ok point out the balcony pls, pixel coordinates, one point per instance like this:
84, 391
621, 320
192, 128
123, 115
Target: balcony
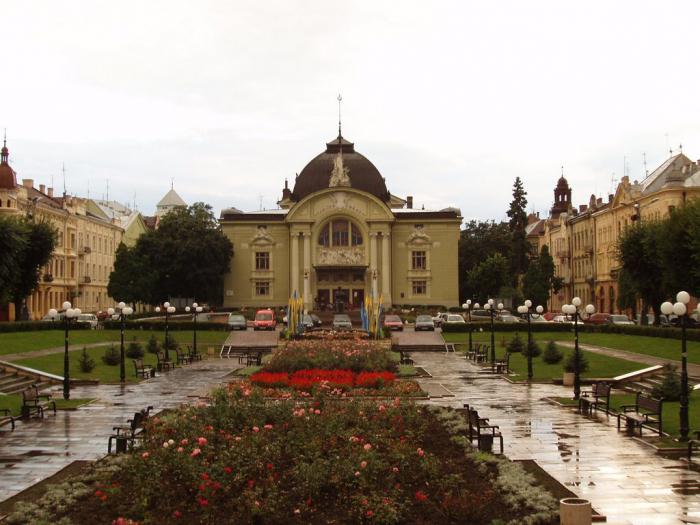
48, 278
86, 279
562, 254
85, 250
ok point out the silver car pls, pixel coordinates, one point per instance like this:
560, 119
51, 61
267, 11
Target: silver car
237, 322
342, 322
424, 322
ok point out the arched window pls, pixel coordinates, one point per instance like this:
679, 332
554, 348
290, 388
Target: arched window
340, 233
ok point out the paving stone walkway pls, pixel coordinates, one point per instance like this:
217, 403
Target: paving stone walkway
623, 478
38, 448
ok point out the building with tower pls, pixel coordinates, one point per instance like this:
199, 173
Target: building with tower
339, 236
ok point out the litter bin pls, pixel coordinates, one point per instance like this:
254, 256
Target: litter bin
575, 511
486, 443
121, 445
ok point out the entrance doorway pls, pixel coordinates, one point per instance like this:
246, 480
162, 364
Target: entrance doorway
358, 297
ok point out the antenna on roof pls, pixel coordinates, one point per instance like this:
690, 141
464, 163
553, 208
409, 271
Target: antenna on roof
340, 99
613, 180
63, 169
172, 182
667, 145
134, 201
88, 195
260, 197
680, 147
646, 171
107, 199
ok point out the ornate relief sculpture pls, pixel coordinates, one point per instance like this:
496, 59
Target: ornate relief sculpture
340, 174
261, 236
354, 256
418, 236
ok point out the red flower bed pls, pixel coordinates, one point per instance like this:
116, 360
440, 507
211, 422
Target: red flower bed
306, 379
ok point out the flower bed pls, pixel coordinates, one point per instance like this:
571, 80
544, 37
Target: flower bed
245, 459
357, 355
309, 379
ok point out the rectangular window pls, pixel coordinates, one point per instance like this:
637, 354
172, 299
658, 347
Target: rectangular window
420, 288
262, 288
72, 269
418, 260
340, 233
262, 260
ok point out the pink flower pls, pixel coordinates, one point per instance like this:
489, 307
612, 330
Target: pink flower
317, 411
256, 429
363, 464
367, 446
202, 441
357, 473
145, 455
196, 452
268, 427
395, 469
180, 449
420, 451
297, 511
382, 408
184, 442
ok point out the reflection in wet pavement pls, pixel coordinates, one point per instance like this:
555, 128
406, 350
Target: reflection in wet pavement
624, 479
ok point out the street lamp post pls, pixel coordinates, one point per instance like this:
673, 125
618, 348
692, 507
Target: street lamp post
489, 306
526, 308
468, 307
168, 310
196, 309
69, 313
124, 310
680, 308
573, 309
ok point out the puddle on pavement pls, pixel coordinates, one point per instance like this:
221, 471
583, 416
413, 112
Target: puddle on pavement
35, 453
686, 488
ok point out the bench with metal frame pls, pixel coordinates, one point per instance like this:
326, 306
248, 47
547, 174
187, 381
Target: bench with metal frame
34, 403
501, 366
163, 365
481, 431
8, 417
125, 436
141, 370
182, 357
597, 397
645, 411
194, 356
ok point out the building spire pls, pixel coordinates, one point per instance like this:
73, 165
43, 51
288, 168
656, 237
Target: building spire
4, 153
340, 99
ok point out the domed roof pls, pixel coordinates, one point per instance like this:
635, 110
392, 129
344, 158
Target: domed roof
8, 179
316, 176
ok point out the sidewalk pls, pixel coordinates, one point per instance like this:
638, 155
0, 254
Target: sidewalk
38, 448
623, 478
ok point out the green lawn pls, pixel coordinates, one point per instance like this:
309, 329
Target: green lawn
654, 346
670, 411
14, 402
53, 364
16, 342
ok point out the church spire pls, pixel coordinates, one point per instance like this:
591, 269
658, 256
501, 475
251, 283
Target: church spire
340, 126
5, 152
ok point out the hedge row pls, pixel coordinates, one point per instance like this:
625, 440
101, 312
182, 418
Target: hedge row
34, 326
160, 325
646, 331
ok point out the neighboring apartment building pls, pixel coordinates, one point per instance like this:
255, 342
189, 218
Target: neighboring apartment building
84, 256
583, 241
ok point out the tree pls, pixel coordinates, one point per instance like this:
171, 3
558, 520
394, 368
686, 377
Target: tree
13, 242
679, 246
627, 294
640, 255
477, 241
186, 257
539, 280
487, 278
41, 241
517, 214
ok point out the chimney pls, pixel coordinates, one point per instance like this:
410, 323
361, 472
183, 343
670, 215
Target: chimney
28, 183
599, 201
582, 207
42, 188
49, 192
610, 197
409, 202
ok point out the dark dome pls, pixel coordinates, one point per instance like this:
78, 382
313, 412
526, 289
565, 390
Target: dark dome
8, 180
317, 173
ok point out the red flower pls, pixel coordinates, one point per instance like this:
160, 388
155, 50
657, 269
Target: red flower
228, 470
421, 496
177, 514
203, 502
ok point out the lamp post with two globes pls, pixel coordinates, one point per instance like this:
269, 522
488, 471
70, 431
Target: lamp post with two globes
124, 310
573, 309
196, 309
168, 310
680, 308
468, 307
489, 306
69, 313
526, 308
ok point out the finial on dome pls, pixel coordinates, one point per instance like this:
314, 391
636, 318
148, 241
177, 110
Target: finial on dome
340, 131
5, 152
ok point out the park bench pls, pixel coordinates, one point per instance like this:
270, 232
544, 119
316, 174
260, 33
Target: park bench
597, 396
645, 411
34, 403
501, 366
194, 356
141, 370
162, 363
405, 358
182, 358
482, 432
128, 434
482, 353
254, 359
7, 418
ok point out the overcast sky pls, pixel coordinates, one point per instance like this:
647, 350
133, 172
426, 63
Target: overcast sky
450, 100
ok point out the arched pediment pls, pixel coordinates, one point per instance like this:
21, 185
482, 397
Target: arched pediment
360, 205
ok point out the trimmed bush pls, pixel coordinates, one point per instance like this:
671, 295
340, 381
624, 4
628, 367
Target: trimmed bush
570, 363
36, 326
86, 363
134, 350
532, 349
670, 387
170, 343
516, 344
552, 355
111, 356
153, 346
174, 326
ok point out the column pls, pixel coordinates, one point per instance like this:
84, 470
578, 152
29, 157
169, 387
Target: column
295, 264
386, 268
308, 300
373, 264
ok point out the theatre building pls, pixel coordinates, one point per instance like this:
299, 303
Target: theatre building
339, 236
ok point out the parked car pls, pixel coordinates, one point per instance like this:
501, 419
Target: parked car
480, 315
508, 318
237, 322
566, 319
59, 317
307, 321
264, 320
342, 322
620, 319
102, 316
674, 320
534, 318
316, 320
89, 319
598, 318
424, 322
439, 318
454, 319
392, 322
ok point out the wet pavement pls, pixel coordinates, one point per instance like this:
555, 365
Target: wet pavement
623, 478
38, 448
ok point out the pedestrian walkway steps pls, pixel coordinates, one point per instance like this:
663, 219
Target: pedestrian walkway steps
14, 379
13, 383
410, 341
436, 390
326, 317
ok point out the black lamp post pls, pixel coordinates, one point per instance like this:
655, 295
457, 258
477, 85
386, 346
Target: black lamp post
573, 309
468, 307
680, 308
124, 310
489, 306
527, 309
196, 309
69, 314
168, 310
